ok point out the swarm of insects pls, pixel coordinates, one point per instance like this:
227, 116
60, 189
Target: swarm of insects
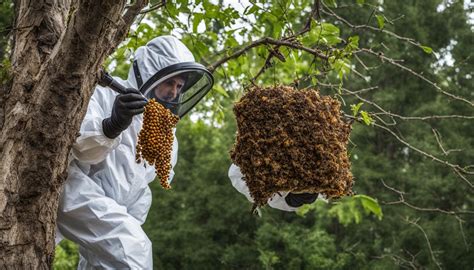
291, 140
155, 140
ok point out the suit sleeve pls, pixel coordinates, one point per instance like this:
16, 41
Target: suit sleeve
277, 201
92, 146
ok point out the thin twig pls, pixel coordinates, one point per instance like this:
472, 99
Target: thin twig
265, 66
460, 221
127, 21
154, 7
429, 117
372, 28
393, 62
402, 200
398, 260
363, 90
390, 114
438, 140
314, 12
360, 61
412, 263
456, 168
415, 223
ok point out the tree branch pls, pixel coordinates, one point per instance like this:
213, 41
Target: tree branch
456, 168
127, 21
415, 223
391, 114
266, 41
314, 13
274, 52
154, 7
366, 26
381, 56
438, 140
400, 261
428, 117
402, 200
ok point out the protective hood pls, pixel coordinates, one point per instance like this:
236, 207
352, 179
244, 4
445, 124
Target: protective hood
163, 59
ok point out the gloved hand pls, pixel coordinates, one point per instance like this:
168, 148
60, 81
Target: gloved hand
298, 199
125, 107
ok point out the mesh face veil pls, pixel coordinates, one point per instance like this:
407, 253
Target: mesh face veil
178, 87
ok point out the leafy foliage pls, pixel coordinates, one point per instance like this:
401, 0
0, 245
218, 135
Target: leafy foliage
67, 256
6, 23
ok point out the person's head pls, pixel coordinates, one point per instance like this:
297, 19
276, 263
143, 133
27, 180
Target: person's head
170, 89
165, 69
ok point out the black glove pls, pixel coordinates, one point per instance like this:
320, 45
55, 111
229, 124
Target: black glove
125, 107
297, 200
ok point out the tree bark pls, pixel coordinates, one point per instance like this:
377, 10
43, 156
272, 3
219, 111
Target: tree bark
58, 47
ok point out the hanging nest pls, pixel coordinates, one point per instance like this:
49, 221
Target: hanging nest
291, 140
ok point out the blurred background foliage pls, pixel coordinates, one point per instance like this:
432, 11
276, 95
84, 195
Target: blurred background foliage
203, 223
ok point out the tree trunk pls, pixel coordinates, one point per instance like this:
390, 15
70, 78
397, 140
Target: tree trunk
58, 47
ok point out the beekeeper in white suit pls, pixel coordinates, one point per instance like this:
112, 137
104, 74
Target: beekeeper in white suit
106, 197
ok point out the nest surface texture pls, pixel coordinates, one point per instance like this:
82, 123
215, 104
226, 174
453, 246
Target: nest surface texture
291, 140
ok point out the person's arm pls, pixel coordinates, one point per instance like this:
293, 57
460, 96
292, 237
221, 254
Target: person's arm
283, 200
105, 119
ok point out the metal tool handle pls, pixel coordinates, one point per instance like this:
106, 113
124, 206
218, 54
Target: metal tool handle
108, 81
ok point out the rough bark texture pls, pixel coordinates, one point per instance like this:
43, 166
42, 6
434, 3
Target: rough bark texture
58, 48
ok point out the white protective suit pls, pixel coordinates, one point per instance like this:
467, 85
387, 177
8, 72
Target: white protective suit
277, 201
106, 197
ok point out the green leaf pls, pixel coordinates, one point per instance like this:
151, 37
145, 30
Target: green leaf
354, 42
330, 29
171, 8
360, 2
366, 117
380, 21
330, 34
332, 3
371, 205
325, 33
342, 67
252, 10
198, 17
231, 42
268, 258
219, 89
303, 210
277, 28
427, 49
355, 108
346, 211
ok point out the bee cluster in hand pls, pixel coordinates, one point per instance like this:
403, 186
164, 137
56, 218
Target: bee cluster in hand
155, 140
